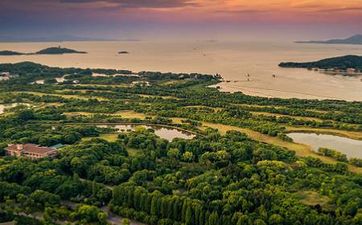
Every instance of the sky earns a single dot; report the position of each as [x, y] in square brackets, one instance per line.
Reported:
[194, 19]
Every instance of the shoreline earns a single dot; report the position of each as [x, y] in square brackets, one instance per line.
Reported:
[224, 87]
[232, 60]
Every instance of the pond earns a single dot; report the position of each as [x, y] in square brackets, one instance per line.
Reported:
[163, 132]
[352, 148]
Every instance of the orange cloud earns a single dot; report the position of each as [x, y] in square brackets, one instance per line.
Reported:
[205, 10]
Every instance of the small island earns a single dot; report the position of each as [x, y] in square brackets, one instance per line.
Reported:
[58, 51]
[347, 65]
[7, 53]
[353, 40]
[47, 51]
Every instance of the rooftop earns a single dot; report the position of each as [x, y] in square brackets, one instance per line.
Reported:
[30, 148]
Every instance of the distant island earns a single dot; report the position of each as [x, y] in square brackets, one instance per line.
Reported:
[46, 51]
[350, 64]
[58, 50]
[123, 52]
[353, 40]
[4, 53]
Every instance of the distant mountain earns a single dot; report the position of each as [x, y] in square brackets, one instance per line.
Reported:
[58, 38]
[354, 40]
[46, 51]
[343, 63]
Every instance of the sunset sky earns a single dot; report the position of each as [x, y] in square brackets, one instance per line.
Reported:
[211, 19]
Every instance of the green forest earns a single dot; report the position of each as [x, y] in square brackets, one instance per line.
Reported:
[238, 166]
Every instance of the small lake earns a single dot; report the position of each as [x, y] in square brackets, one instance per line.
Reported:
[352, 148]
[163, 132]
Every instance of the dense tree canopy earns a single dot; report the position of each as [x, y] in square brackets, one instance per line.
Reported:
[219, 177]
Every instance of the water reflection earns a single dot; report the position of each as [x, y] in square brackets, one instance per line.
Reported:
[163, 132]
[352, 148]
[249, 66]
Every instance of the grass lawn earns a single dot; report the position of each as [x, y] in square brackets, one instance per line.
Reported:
[172, 82]
[78, 113]
[61, 95]
[132, 151]
[281, 115]
[312, 198]
[103, 85]
[158, 96]
[107, 137]
[81, 91]
[131, 114]
[125, 114]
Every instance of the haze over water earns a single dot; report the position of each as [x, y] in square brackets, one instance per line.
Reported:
[233, 60]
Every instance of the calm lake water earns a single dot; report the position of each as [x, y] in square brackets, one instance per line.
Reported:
[163, 132]
[352, 148]
[233, 60]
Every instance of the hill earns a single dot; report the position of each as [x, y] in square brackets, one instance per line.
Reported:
[343, 63]
[353, 40]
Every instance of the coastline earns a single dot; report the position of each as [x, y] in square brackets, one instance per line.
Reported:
[233, 60]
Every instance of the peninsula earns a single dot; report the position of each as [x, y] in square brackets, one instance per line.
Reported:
[348, 63]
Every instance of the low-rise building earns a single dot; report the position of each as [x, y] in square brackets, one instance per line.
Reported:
[4, 75]
[351, 70]
[31, 151]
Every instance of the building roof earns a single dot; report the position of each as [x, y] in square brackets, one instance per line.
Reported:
[31, 148]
